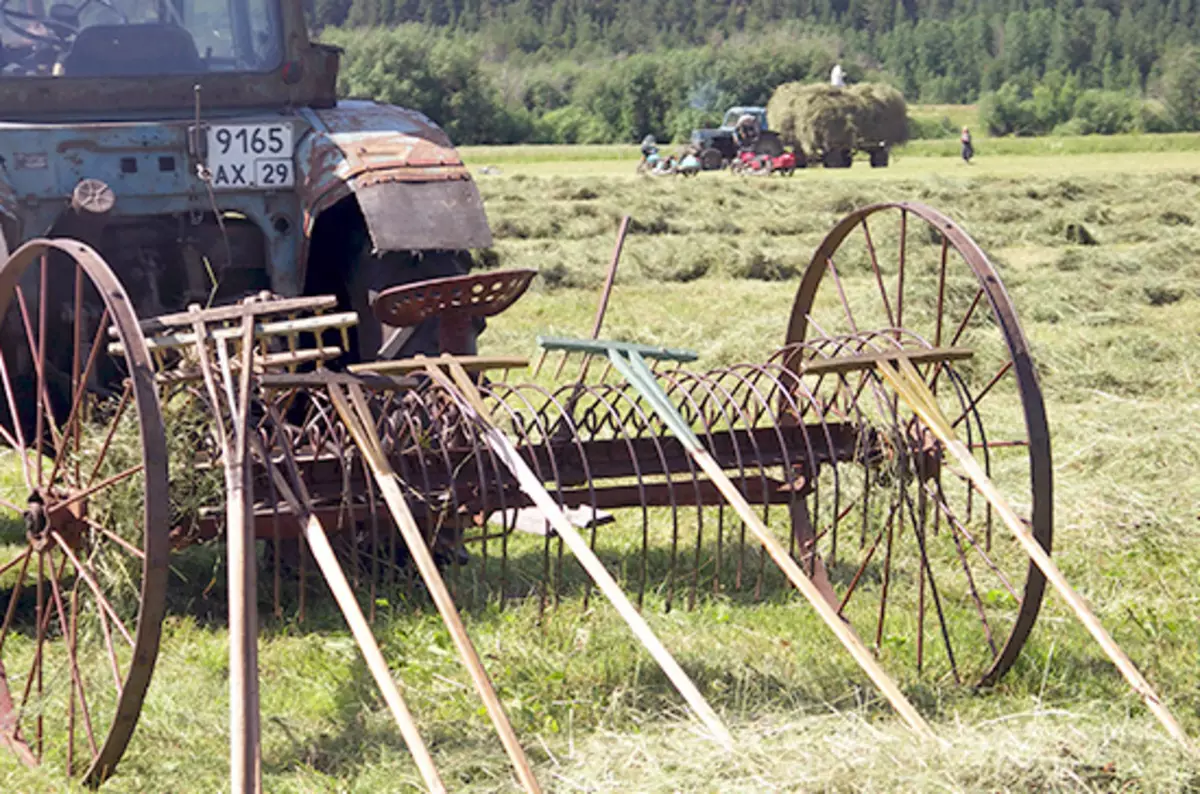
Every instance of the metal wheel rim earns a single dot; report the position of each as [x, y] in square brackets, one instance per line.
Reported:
[1033, 405]
[152, 602]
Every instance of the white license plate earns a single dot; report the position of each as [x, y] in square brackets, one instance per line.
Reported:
[251, 156]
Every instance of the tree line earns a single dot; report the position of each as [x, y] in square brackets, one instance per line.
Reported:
[614, 70]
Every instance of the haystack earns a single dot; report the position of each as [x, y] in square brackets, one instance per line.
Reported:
[820, 117]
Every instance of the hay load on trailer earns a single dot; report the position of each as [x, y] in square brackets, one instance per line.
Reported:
[831, 123]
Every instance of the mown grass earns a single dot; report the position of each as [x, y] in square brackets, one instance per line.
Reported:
[1047, 146]
[713, 266]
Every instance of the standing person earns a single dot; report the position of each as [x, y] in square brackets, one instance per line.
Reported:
[745, 134]
[837, 77]
[968, 151]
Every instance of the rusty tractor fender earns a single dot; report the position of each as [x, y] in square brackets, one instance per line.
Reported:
[414, 192]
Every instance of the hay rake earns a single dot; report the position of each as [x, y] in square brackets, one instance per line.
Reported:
[863, 463]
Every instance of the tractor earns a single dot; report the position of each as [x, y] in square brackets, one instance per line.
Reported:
[717, 149]
[201, 149]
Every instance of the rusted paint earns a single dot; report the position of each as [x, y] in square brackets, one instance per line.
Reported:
[384, 151]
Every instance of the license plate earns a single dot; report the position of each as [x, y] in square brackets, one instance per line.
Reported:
[251, 156]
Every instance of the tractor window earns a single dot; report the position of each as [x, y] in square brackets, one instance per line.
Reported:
[138, 38]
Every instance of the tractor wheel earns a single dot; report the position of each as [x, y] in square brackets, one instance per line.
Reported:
[371, 274]
[838, 158]
[879, 158]
[711, 160]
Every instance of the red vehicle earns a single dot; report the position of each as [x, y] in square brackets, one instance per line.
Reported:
[752, 163]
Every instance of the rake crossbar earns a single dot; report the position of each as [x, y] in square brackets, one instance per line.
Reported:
[602, 346]
[463, 391]
[904, 378]
[633, 367]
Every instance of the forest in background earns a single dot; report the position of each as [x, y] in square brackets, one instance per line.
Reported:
[596, 71]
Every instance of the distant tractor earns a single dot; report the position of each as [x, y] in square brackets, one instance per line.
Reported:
[717, 148]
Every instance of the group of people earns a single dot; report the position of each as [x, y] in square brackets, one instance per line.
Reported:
[687, 164]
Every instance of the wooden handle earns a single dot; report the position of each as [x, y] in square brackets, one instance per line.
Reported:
[529, 482]
[318, 543]
[360, 428]
[907, 382]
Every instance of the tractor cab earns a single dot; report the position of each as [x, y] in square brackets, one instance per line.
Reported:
[729, 123]
[138, 38]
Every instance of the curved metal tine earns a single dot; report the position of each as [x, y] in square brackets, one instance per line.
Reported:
[644, 429]
[506, 526]
[803, 521]
[675, 377]
[621, 432]
[711, 385]
[538, 415]
[753, 391]
[521, 430]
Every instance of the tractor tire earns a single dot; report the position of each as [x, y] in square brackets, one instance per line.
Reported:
[879, 158]
[371, 274]
[711, 160]
[838, 158]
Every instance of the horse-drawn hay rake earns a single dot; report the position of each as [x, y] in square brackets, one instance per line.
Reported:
[863, 463]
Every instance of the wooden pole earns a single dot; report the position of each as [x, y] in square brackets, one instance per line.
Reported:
[245, 767]
[636, 372]
[323, 553]
[358, 420]
[907, 382]
[529, 482]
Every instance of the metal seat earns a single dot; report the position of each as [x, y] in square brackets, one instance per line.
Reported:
[455, 301]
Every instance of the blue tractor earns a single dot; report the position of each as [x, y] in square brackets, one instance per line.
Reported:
[199, 147]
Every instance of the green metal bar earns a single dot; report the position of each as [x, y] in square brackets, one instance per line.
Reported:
[633, 368]
[603, 346]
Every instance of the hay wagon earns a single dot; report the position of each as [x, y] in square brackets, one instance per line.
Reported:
[830, 124]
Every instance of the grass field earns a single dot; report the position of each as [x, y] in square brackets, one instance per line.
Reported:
[618, 157]
[713, 265]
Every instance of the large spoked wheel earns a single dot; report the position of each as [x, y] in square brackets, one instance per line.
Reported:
[83, 512]
[918, 561]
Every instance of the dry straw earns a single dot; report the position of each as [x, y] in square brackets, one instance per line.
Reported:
[820, 118]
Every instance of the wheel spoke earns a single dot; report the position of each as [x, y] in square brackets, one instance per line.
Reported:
[982, 393]
[100, 486]
[900, 271]
[95, 588]
[16, 420]
[72, 662]
[112, 429]
[933, 591]
[71, 428]
[887, 304]
[14, 597]
[941, 296]
[120, 541]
